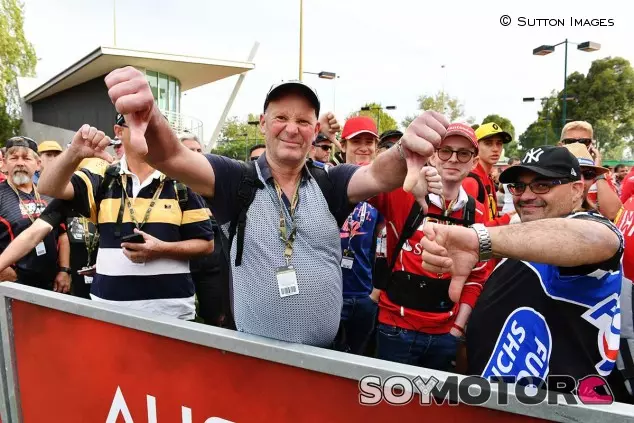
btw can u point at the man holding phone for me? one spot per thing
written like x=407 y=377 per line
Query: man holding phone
x=600 y=192
x=150 y=226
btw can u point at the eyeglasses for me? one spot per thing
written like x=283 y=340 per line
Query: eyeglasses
x=589 y=174
x=585 y=141
x=537 y=187
x=463 y=156
x=254 y=158
x=324 y=147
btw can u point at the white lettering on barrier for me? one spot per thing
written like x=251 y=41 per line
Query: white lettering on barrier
x=119 y=407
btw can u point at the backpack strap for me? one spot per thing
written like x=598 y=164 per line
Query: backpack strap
x=469 y=211
x=320 y=173
x=249 y=184
x=181 y=194
x=482 y=192
x=413 y=221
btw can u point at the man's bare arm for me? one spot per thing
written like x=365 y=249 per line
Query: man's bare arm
x=55 y=179
x=385 y=174
x=168 y=155
x=560 y=242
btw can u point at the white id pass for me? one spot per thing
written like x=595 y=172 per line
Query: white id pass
x=87 y=279
x=347 y=262
x=40 y=249
x=287 y=281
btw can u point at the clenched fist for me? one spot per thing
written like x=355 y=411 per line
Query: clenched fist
x=419 y=142
x=329 y=126
x=130 y=93
x=90 y=142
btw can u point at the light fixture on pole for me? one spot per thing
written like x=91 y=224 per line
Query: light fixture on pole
x=587 y=46
x=331 y=76
x=378 y=115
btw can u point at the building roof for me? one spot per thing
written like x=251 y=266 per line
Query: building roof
x=191 y=71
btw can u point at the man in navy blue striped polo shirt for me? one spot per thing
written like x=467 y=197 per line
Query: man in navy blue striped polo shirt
x=150 y=273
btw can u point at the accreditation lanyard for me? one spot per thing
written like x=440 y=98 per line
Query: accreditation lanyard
x=150 y=207
x=26 y=209
x=91 y=240
x=285 y=237
x=350 y=251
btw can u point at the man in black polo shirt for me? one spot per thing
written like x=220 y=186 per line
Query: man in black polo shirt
x=46 y=266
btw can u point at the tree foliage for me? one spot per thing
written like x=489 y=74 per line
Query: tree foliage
x=604 y=98
x=17 y=58
x=511 y=149
x=442 y=103
x=383 y=120
x=236 y=134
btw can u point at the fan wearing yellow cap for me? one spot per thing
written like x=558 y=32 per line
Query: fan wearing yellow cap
x=47 y=150
x=599 y=192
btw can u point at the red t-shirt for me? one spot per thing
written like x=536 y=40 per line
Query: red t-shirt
x=625 y=222
x=627 y=186
x=395 y=207
x=472 y=188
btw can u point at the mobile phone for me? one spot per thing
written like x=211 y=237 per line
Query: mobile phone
x=87 y=270
x=133 y=239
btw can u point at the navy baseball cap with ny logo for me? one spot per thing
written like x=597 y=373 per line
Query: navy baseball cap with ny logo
x=547 y=161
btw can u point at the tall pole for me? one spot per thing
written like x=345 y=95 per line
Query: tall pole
x=114 y=21
x=246 y=142
x=378 y=118
x=565 y=99
x=301 y=39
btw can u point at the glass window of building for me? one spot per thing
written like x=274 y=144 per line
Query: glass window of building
x=152 y=78
x=172 y=94
x=162 y=91
x=178 y=97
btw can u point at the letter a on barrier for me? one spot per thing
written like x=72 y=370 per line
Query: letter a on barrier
x=119 y=407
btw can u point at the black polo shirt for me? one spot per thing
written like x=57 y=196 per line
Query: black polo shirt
x=32 y=269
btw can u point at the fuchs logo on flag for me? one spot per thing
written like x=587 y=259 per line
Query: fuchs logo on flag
x=606 y=316
x=523 y=348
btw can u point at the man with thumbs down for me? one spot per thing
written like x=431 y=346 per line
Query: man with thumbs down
x=289 y=231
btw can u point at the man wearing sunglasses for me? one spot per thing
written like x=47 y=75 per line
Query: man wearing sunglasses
x=604 y=198
x=600 y=191
x=551 y=307
x=418 y=323
x=256 y=151
x=322 y=146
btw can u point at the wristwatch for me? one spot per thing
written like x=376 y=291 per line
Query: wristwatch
x=66 y=270
x=600 y=177
x=484 y=241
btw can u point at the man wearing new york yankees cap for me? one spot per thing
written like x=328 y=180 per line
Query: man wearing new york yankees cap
x=551 y=306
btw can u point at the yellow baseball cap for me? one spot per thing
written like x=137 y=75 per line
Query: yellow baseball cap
x=489 y=129
x=49 y=146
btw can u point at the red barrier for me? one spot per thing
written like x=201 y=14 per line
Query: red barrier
x=69 y=369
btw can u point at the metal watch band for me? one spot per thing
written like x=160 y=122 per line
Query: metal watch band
x=484 y=241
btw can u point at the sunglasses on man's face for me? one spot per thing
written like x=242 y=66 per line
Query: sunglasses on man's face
x=589 y=174
x=585 y=141
x=254 y=158
x=324 y=147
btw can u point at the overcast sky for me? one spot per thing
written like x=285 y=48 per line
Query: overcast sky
x=385 y=51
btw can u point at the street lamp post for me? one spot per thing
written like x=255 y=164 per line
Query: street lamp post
x=544 y=50
x=255 y=136
x=328 y=75
x=246 y=142
x=378 y=114
x=565 y=99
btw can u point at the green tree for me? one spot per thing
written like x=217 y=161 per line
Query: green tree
x=383 y=119
x=17 y=58
x=442 y=103
x=604 y=98
x=236 y=134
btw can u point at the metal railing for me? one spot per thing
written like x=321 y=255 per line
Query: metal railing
x=183 y=123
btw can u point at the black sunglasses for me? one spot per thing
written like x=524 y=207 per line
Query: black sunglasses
x=324 y=147
x=585 y=141
x=537 y=187
x=254 y=158
x=589 y=174
x=463 y=156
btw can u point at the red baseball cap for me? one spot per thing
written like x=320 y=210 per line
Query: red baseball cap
x=462 y=130
x=358 y=125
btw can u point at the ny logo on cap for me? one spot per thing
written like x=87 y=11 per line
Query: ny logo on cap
x=533 y=155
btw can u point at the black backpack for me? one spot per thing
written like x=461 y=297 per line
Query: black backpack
x=383 y=269
x=482 y=190
x=250 y=183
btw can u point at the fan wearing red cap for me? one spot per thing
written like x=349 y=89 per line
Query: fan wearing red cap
x=418 y=323
x=358 y=140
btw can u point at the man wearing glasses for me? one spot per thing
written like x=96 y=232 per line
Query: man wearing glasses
x=418 y=323
x=320 y=152
x=551 y=307
x=601 y=193
x=256 y=151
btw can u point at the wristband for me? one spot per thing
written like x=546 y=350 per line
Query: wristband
x=458 y=328
x=600 y=177
x=65 y=270
x=399 y=147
